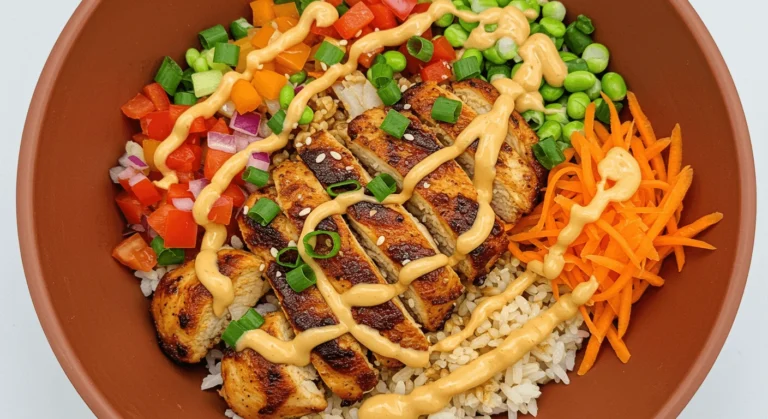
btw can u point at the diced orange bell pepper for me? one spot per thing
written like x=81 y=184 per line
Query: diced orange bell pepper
x=242 y=61
x=150 y=146
x=180 y=230
x=245 y=97
x=157 y=220
x=221 y=212
x=268 y=83
x=263 y=12
x=285 y=23
x=214 y=159
x=262 y=36
x=287 y=9
x=294 y=57
x=135 y=253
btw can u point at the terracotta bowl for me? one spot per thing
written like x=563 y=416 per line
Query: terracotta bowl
x=98 y=322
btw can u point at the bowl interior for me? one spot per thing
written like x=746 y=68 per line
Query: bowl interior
x=98 y=322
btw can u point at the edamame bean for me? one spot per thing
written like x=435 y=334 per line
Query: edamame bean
x=536 y=7
x=535 y=119
x=553 y=27
x=550 y=93
x=456 y=35
x=396 y=60
x=584 y=24
x=579 y=81
x=286 y=96
x=200 y=65
x=577 y=65
x=563 y=101
x=550 y=129
x=553 y=9
x=473 y=52
x=507 y=48
x=524 y=5
x=568 y=56
x=614 y=86
x=503 y=3
x=479 y=6
x=577 y=105
x=467 y=26
x=558 y=42
x=597 y=57
x=307 y=116
x=576 y=40
x=490 y=28
x=298 y=78
x=535 y=28
x=192 y=55
x=492 y=55
x=556 y=112
x=594 y=91
x=445 y=20
x=572 y=127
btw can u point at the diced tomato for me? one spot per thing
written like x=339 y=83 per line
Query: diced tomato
x=220 y=127
x=366 y=59
x=135 y=253
x=198 y=126
x=335 y=3
x=437 y=71
x=420 y=8
x=157 y=95
x=412 y=64
x=221 y=212
x=401 y=8
x=177 y=110
x=158 y=219
x=329 y=31
x=214 y=159
x=186 y=158
x=180 y=190
x=237 y=195
x=180 y=230
x=130 y=206
x=443 y=50
x=383 y=18
x=356 y=18
x=138 y=107
x=157 y=125
x=146 y=191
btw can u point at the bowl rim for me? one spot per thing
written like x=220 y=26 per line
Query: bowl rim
x=99 y=403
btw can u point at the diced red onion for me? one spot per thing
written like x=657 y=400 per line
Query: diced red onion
x=264 y=130
x=227 y=109
x=114 y=173
x=251 y=188
x=222 y=142
x=297 y=89
x=138 y=228
x=184 y=204
x=127 y=173
x=259 y=160
x=137 y=163
x=123 y=160
x=247 y=123
x=273 y=106
x=135 y=178
x=196 y=186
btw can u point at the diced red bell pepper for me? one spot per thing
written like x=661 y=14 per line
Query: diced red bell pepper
x=180 y=190
x=221 y=212
x=130 y=206
x=139 y=138
x=158 y=219
x=138 y=107
x=214 y=159
x=192 y=139
x=420 y=8
x=135 y=253
x=186 y=158
x=157 y=95
x=237 y=195
x=177 y=110
x=329 y=31
x=401 y=8
x=443 y=50
x=180 y=230
x=427 y=34
x=157 y=125
x=146 y=192
x=437 y=71
x=185 y=177
x=335 y=3
x=198 y=126
x=210 y=122
x=412 y=64
x=220 y=127
x=370 y=2
x=356 y=18
x=383 y=18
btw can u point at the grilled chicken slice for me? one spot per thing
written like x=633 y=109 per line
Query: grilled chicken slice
x=342 y=362
x=517 y=179
x=445 y=200
x=389 y=233
x=255 y=388
x=297 y=190
x=182 y=308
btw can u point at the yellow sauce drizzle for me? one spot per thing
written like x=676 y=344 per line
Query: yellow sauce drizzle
x=294 y=352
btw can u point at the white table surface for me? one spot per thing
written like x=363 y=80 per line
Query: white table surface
x=33 y=385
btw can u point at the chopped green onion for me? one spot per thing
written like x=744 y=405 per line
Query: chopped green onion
x=251 y=320
x=302 y=4
x=342 y=8
x=232 y=333
x=329 y=54
x=207 y=82
x=390 y=93
x=548 y=153
x=169 y=75
x=420 y=48
x=212 y=36
x=186 y=79
x=239 y=28
x=170 y=257
x=335 y=239
x=380 y=74
x=301 y=278
x=576 y=40
x=584 y=24
x=466 y=68
x=264 y=211
x=496 y=72
x=184 y=98
x=256 y=176
x=226 y=53
x=298 y=78
x=382 y=186
x=157 y=244
x=395 y=124
x=276 y=122
x=332 y=192
x=293 y=264
x=446 y=110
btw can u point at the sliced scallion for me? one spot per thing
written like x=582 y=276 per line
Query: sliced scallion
x=329 y=54
x=301 y=278
x=251 y=320
x=212 y=36
x=293 y=264
x=548 y=153
x=342 y=8
x=186 y=80
x=232 y=333
x=395 y=124
x=239 y=28
x=226 y=53
x=169 y=75
x=389 y=92
x=170 y=257
x=157 y=244
x=380 y=74
x=446 y=110
x=184 y=98
x=351 y=182
x=466 y=68
x=207 y=82
x=420 y=48
x=335 y=239
x=276 y=122
x=264 y=211
x=256 y=176
x=382 y=186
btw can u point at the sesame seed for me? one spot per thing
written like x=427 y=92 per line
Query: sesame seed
x=299 y=145
x=360 y=32
x=273 y=252
x=274 y=25
x=324 y=66
x=343 y=42
x=408 y=137
x=278 y=274
x=335 y=155
x=372 y=213
x=245 y=210
x=407 y=261
x=260 y=66
x=444 y=77
x=261 y=268
x=349 y=168
x=403 y=88
x=320 y=158
x=376 y=29
x=380 y=241
x=299 y=196
x=309 y=140
x=328 y=242
x=287 y=76
x=426 y=185
x=295 y=125
x=291 y=243
x=305 y=212
x=407 y=106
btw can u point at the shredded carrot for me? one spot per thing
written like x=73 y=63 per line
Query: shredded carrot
x=625 y=248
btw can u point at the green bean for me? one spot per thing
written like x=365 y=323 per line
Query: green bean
x=298 y=78
x=192 y=55
x=445 y=20
x=614 y=86
x=579 y=81
x=550 y=129
x=572 y=127
x=577 y=105
x=576 y=65
x=396 y=60
x=584 y=24
x=456 y=35
x=556 y=112
x=597 y=57
x=492 y=55
x=576 y=40
x=535 y=119
x=553 y=9
x=473 y=52
x=286 y=96
x=567 y=56
x=551 y=93
x=594 y=91
x=307 y=116
x=553 y=27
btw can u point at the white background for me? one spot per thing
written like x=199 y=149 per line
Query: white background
x=32 y=384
